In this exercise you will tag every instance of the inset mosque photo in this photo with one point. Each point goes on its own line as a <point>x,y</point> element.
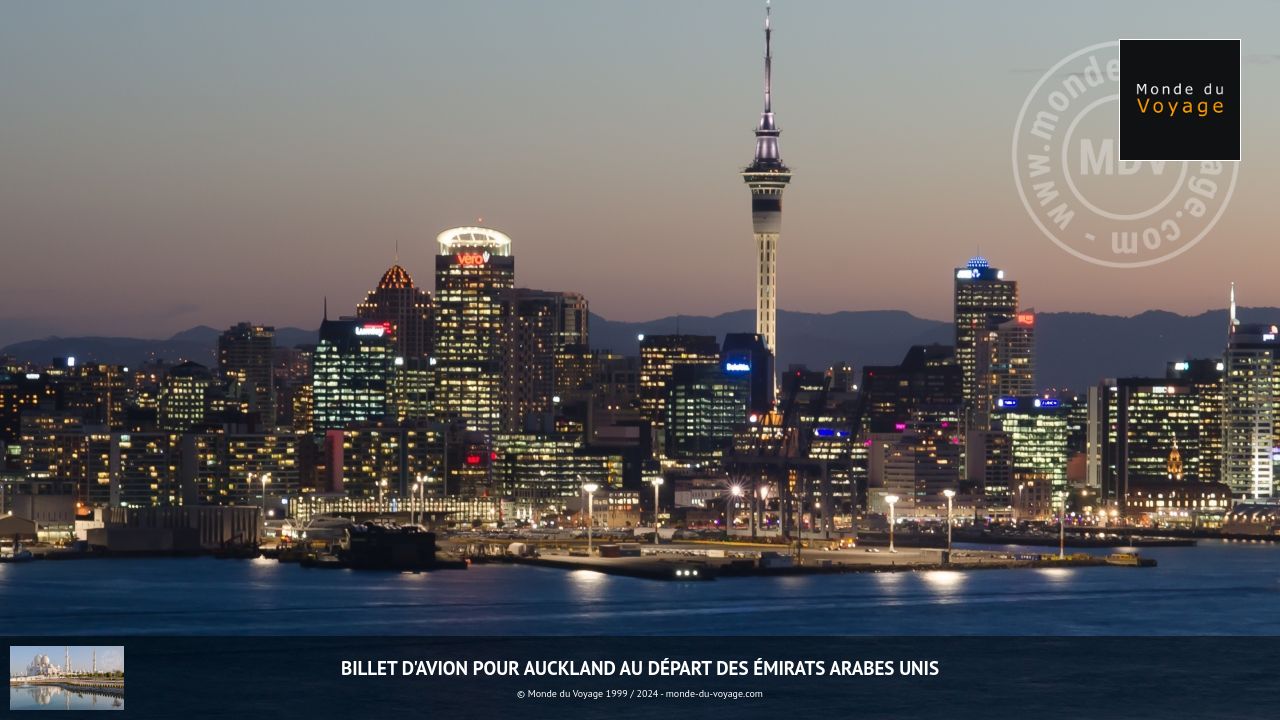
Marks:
<point>70,677</point>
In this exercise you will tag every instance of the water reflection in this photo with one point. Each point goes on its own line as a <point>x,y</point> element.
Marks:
<point>1056,574</point>
<point>57,697</point>
<point>944,579</point>
<point>588,584</point>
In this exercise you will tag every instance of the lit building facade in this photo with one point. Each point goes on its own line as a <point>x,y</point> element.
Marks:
<point>1251,385</point>
<point>55,452</point>
<point>351,373</point>
<point>1206,377</point>
<point>982,294</point>
<point>22,392</point>
<point>1037,432</point>
<point>1134,424</point>
<point>475,274</point>
<point>926,383</point>
<point>246,362</point>
<point>228,468</point>
<point>185,394</point>
<point>406,307</point>
<point>543,325</point>
<point>659,356</point>
<point>381,460</point>
<point>746,356</point>
<point>413,389</point>
<point>96,392</point>
<point>1005,363</point>
<point>706,404</point>
<point>543,473</point>
<point>146,470</point>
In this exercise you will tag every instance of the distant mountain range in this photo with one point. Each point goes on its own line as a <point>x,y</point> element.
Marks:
<point>1074,350</point>
<point>199,343</point>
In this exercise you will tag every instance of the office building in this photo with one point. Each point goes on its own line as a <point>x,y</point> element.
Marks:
<point>351,373</point>
<point>659,356</point>
<point>1251,385</point>
<point>1037,432</point>
<point>1134,423</point>
<point>745,355</point>
<point>475,274</point>
<point>185,397</point>
<point>1005,363</point>
<point>246,363</point>
<point>982,294</point>
<point>705,406</point>
<point>1206,376</point>
<point>543,325</point>
<point>396,300</point>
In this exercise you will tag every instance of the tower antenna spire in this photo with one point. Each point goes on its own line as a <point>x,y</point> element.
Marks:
<point>1234,321</point>
<point>768,58</point>
<point>767,176</point>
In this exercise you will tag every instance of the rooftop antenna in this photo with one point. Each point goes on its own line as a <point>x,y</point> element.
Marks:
<point>326,307</point>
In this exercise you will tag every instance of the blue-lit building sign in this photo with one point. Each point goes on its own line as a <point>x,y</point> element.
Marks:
<point>745,358</point>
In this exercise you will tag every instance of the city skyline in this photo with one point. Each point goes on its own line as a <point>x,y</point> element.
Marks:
<point>242,179</point>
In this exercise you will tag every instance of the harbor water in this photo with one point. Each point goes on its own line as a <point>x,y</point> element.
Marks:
<point>1215,588</point>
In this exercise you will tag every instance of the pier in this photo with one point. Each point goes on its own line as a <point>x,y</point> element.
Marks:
<point>701,561</point>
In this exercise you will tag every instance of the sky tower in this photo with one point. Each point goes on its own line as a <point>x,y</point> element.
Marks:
<point>767,177</point>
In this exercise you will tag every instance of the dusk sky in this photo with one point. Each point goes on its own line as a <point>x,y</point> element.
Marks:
<point>164,164</point>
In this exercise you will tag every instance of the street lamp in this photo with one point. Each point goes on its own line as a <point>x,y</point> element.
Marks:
<point>950,494</point>
<point>735,492</point>
<point>264,477</point>
<point>1062,529</point>
<point>420,489</point>
<point>591,489</point>
<point>764,505</point>
<point>892,500</point>
<point>657,483</point>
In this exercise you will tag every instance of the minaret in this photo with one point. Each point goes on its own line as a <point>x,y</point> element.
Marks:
<point>767,177</point>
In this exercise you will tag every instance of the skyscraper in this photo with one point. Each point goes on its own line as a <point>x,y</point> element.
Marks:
<point>706,404</point>
<point>246,356</point>
<point>351,373</point>
<point>543,323</point>
<point>1250,386</point>
<point>1134,423</point>
<point>1206,378</point>
<point>659,356</point>
<point>1005,364</point>
<point>982,294</point>
<point>767,177</point>
<point>475,274</point>
<point>408,308</point>
<point>1037,433</point>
